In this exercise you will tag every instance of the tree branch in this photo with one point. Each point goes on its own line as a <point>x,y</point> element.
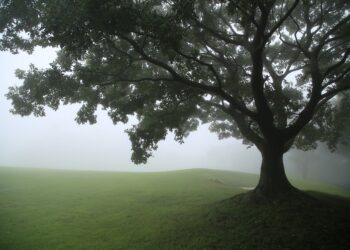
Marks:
<point>307,113</point>
<point>244,128</point>
<point>190,83</point>
<point>265,115</point>
<point>338,64</point>
<point>228,24</point>
<point>341,76</point>
<point>279,23</point>
<point>329,95</point>
<point>335,91</point>
<point>238,42</point>
<point>251,17</point>
<point>210,66</point>
<point>324,39</point>
<point>298,44</point>
<point>145,79</point>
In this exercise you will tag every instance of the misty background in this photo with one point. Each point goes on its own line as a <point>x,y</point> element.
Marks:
<point>57,141</point>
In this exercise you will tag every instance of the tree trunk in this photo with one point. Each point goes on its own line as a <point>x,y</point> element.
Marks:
<point>273,183</point>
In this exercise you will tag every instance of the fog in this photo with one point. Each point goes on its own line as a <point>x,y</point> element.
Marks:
<point>57,141</point>
<point>320,165</point>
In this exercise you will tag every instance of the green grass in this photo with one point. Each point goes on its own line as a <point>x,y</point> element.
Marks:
<point>53,209</point>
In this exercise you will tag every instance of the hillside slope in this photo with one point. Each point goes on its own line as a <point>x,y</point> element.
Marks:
<point>53,209</point>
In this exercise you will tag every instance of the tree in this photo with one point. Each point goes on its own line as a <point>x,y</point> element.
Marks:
<point>263,71</point>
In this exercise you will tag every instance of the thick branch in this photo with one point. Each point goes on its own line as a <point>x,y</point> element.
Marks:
<point>257,81</point>
<point>278,102</point>
<point>307,113</point>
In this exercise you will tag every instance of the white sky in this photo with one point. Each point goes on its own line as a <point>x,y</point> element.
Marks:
<point>57,141</point>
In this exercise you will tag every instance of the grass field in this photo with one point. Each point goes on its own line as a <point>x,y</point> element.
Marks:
<point>54,209</point>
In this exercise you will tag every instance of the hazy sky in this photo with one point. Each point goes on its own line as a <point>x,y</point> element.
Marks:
<point>57,141</point>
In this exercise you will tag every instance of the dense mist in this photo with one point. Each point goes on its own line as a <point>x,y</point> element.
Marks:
<point>57,141</point>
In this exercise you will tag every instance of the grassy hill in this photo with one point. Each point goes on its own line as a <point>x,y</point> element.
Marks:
<point>189,209</point>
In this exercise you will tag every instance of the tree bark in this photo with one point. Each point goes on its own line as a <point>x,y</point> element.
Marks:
<point>273,183</point>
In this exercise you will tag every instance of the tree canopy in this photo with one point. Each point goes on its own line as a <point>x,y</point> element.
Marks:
<point>263,70</point>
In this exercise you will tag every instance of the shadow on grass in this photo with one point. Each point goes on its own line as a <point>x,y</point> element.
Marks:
<point>320,223</point>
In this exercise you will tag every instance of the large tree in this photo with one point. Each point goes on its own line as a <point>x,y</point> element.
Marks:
<point>263,71</point>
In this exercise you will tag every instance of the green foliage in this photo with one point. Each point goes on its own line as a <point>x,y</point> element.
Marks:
<point>255,70</point>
